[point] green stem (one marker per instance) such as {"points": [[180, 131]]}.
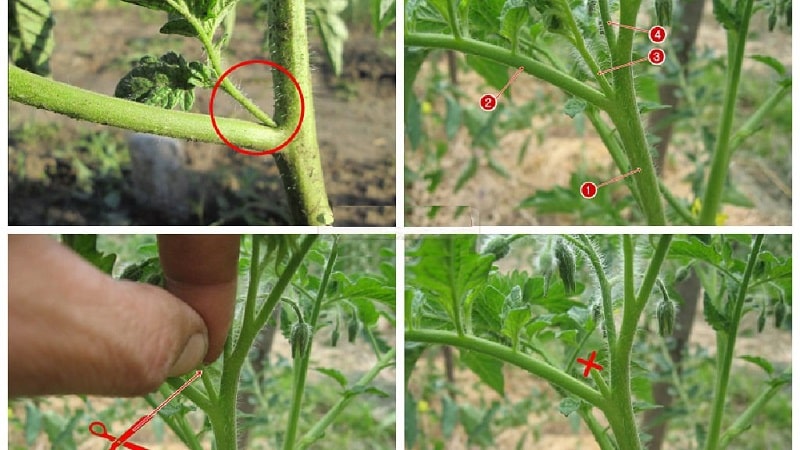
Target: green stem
{"points": [[752, 125], [318, 430], [580, 45], [301, 361], [299, 163], [744, 421], [452, 12], [533, 67], [605, 16], [81, 104], [627, 119], [586, 246], [213, 53], [723, 150], [726, 340], [505, 354]]}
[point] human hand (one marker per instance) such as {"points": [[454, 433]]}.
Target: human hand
{"points": [[73, 329]]}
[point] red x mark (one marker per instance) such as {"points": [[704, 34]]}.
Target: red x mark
{"points": [[590, 364]]}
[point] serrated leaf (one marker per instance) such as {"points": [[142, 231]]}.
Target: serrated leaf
{"points": [[334, 374], [488, 369], [165, 82], [568, 406], [696, 249], [760, 362], [725, 16], [179, 26], [467, 173], [30, 35], [716, 319], [513, 16]]}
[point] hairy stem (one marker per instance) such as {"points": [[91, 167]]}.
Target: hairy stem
{"points": [[723, 150], [299, 163], [505, 354], [533, 67], [301, 361], [82, 104]]}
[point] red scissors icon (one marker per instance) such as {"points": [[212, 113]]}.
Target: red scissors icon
{"points": [[99, 429], [116, 442]]}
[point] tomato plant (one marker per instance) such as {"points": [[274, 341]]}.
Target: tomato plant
{"points": [[585, 50], [313, 289], [578, 316], [145, 97]]}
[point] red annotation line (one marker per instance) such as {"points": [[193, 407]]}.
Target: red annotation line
{"points": [[488, 102], [589, 189], [121, 440], [627, 26], [603, 72]]}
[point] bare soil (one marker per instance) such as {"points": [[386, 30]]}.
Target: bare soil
{"points": [[94, 49]]}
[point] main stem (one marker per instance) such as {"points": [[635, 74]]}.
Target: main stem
{"points": [[723, 150], [625, 115], [299, 163]]}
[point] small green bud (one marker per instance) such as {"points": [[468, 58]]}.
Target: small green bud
{"points": [[665, 312], [300, 339], [664, 12], [762, 320], [565, 257], [352, 329], [780, 313], [546, 265], [335, 334], [497, 246]]}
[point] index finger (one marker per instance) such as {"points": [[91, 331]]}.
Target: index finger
{"points": [[201, 270]]}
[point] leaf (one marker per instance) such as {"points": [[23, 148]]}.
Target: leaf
{"points": [[413, 351], [86, 246], [574, 106], [332, 29], [159, 5], [335, 374], [372, 288], [716, 319], [469, 171], [448, 267], [494, 73], [164, 82], [513, 16], [30, 35], [694, 248], [414, 58], [725, 16], [488, 369], [383, 15], [452, 118], [33, 423], [776, 65], [760, 362], [568, 406], [449, 416]]}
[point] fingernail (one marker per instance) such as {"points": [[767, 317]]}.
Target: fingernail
{"points": [[191, 357]]}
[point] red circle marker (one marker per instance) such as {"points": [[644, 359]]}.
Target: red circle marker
{"points": [[488, 102], [588, 189], [656, 56], [657, 34], [283, 144]]}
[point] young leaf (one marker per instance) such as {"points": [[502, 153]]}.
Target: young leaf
{"points": [[166, 82], [86, 246], [568, 406], [332, 29], [488, 369], [725, 15], [335, 374], [574, 106], [760, 362], [714, 317]]}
